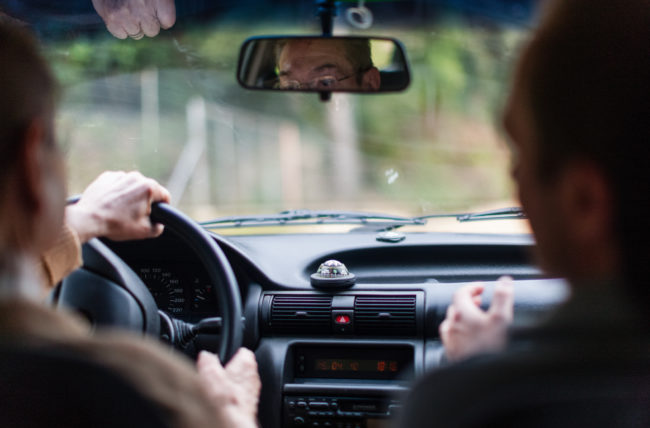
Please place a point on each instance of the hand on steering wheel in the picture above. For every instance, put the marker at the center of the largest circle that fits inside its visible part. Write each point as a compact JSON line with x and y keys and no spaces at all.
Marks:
{"x":108,"y":292}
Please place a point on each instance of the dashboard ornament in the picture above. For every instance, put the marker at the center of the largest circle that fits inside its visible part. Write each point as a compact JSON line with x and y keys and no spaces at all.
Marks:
{"x":332,"y":274}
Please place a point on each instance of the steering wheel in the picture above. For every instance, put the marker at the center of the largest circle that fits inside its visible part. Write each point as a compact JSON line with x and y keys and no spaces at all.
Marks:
{"x":109,"y":293}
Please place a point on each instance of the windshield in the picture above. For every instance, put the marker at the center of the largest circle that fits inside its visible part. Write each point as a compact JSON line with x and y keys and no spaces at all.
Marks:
{"x":170,"y":107}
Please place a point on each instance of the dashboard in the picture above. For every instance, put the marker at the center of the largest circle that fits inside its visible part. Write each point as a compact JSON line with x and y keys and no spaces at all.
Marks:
{"x":341,"y":358}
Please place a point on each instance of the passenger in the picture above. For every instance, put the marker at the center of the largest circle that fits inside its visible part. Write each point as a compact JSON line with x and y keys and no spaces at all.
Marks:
{"x":578,"y":118}
{"x":336,"y":64}
{"x":32,"y":198}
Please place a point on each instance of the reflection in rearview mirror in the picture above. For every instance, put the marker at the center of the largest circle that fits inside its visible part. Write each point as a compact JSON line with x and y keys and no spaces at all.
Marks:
{"x":323,"y":64}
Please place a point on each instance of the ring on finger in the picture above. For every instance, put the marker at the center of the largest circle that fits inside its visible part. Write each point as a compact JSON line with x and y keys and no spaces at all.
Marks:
{"x":137,"y":36}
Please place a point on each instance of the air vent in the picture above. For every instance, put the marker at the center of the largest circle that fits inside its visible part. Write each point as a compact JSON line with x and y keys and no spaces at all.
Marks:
{"x":386,"y":315}
{"x":296,"y":313}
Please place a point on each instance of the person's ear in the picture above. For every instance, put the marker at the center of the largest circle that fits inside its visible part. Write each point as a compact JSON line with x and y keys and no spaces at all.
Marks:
{"x":371,"y":80}
{"x":588,"y":201}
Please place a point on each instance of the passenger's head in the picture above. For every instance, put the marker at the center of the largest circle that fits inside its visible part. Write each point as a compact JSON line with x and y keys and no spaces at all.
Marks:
{"x":327,"y":64}
{"x":579,"y":116}
{"x":32,"y":193}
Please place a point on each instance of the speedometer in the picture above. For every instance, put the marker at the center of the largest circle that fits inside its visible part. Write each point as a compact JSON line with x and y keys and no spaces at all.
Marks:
{"x":166,"y":289}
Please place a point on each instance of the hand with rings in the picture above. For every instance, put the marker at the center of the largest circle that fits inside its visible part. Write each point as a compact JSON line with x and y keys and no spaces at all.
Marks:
{"x":136,"y":18}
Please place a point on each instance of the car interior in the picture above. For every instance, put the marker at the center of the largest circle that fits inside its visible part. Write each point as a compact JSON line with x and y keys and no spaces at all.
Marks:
{"x":340,"y":303}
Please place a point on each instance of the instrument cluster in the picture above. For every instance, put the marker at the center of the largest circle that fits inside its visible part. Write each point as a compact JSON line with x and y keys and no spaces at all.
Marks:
{"x":182,"y":290}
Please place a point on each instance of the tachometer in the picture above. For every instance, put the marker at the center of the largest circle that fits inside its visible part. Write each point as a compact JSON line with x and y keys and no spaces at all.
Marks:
{"x":166,"y":289}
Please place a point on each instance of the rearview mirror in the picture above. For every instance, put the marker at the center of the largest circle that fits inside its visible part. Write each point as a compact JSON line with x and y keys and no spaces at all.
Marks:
{"x":323,"y":64}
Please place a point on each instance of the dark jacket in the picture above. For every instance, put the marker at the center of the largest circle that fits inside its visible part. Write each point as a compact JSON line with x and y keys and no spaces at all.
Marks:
{"x":588,"y":365}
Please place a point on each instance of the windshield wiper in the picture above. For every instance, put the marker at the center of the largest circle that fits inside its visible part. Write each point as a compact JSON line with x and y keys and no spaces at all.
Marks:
{"x":312,"y":217}
{"x":379,"y":222}
{"x":512,"y":213}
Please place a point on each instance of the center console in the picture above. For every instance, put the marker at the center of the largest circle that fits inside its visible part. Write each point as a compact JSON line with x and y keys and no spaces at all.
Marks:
{"x":345,"y":386}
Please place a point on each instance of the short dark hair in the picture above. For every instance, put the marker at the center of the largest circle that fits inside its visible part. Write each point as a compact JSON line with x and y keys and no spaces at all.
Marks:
{"x":358,"y":53}
{"x":27,"y":88}
{"x":587,"y":76}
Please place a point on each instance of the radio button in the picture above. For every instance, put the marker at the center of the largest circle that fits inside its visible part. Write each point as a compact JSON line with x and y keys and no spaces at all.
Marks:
{"x":301,"y":405}
{"x":317,"y":405}
{"x":298,"y":421}
{"x":392,"y":408}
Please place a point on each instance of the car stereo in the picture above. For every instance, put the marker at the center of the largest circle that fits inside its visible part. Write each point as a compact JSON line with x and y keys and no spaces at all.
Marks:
{"x":338,"y":411}
{"x":318,"y":370}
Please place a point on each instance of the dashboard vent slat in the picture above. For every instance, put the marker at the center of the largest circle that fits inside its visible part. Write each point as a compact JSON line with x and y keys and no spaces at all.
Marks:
{"x":295,"y":313}
{"x":389,"y":315}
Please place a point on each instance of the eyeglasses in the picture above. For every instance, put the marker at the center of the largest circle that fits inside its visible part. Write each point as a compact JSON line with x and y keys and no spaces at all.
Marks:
{"x":320,"y":83}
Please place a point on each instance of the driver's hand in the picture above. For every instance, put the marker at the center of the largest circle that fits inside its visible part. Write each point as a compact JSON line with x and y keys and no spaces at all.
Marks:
{"x":234,"y":390}
{"x":468,"y":330}
{"x":117,"y":206}
{"x":136,"y":18}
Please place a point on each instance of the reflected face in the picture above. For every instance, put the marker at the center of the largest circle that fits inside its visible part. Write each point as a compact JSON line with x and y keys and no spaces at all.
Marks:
{"x":322,"y":65}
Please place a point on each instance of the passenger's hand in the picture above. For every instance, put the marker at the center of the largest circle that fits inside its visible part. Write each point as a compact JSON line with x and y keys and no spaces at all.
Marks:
{"x":136,"y":18}
{"x":233,"y":390}
{"x":468,"y":330}
{"x":117,"y":206}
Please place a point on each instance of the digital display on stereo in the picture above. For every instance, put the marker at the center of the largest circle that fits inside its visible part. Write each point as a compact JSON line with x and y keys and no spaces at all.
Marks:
{"x":354,"y":363}
{"x":350,"y":365}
